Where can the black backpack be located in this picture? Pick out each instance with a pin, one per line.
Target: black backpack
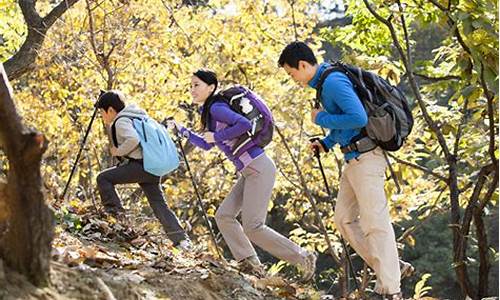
(389, 117)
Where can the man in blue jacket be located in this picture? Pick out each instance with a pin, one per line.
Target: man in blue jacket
(361, 213)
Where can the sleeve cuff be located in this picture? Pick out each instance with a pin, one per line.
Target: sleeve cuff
(318, 117)
(185, 132)
(217, 136)
(323, 144)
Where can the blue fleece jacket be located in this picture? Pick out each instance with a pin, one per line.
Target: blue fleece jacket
(343, 113)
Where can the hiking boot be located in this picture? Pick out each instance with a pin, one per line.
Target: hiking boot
(185, 245)
(116, 213)
(406, 268)
(308, 267)
(252, 265)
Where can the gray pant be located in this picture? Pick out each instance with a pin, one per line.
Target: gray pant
(250, 196)
(133, 172)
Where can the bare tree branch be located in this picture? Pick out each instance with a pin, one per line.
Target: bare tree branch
(460, 127)
(418, 167)
(57, 12)
(102, 58)
(23, 61)
(437, 79)
(491, 117)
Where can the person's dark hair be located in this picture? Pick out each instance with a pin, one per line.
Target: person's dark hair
(112, 98)
(294, 52)
(209, 77)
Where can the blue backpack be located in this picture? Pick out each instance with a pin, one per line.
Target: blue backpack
(158, 150)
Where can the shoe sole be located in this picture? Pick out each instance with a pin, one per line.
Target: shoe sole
(310, 277)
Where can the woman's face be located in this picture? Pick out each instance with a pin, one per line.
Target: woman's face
(200, 90)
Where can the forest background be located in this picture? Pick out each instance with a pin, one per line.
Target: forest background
(442, 53)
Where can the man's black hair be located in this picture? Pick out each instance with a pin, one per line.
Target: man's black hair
(112, 99)
(294, 52)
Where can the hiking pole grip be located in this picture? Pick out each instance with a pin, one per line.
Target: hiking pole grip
(317, 154)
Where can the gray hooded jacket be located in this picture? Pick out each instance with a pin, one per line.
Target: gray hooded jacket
(126, 136)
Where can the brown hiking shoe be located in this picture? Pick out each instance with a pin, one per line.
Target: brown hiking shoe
(406, 268)
(308, 267)
(252, 265)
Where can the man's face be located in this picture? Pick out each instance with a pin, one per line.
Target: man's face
(302, 74)
(108, 116)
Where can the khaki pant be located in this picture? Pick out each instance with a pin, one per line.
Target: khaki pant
(250, 196)
(363, 219)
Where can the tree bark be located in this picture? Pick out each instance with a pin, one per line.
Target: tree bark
(24, 60)
(484, 263)
(26, 244)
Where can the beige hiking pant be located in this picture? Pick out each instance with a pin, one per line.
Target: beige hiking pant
(362, 217)
(250, 196)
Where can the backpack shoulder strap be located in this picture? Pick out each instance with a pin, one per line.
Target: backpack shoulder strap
(113, 128)
(334, 67)
(355, 76)
(233, 93)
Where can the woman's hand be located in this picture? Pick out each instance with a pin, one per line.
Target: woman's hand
(208, 136)
(172, 124)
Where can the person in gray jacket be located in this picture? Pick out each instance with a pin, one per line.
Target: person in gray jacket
(126, 147)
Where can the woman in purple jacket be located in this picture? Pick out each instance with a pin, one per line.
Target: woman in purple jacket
(251, 193)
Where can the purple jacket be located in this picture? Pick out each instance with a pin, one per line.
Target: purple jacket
(227, 126)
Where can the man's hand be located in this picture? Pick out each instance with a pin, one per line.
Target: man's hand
(314, 113)
(208, 136)
(113, 151)
(316, 146)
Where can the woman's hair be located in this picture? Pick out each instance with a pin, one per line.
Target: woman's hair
(209, 77)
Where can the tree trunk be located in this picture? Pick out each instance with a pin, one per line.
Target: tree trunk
(25, 246)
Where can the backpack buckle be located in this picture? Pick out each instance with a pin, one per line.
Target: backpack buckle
(362, 145)
(349, 148)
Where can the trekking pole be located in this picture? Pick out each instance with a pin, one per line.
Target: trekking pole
(344, 246)
(316, 153)
(82, 144)
(200, 202)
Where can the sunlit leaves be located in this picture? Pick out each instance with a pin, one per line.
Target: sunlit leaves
(12, 29)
